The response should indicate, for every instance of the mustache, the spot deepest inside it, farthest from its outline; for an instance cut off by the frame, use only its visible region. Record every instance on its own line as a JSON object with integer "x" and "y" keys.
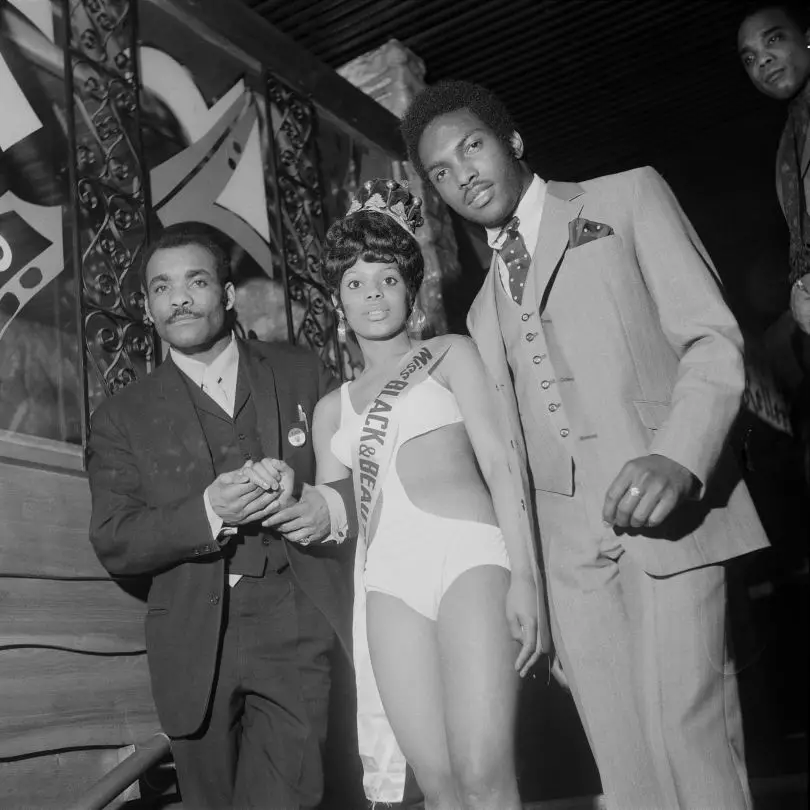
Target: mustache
{"x": 182, "y": 313}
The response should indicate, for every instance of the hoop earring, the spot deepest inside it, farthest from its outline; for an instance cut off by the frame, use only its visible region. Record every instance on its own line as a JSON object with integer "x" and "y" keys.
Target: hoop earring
{"x": 417, "y": 321}
{"x": 342, "y": 326}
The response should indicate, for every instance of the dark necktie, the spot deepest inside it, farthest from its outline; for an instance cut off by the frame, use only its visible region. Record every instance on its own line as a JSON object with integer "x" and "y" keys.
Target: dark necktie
{"x": 517, "y": 260}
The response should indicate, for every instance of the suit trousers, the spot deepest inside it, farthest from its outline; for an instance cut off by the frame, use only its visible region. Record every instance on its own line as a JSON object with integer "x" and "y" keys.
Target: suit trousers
{"x": 261, "y": 744}
{"x": 647, "y": 661}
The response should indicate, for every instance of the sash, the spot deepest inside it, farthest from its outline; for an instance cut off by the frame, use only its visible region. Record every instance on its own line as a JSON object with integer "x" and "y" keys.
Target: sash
{"x": 383, "y": 761}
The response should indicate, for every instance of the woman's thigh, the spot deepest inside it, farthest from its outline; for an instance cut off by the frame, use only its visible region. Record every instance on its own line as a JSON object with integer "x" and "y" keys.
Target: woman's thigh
{"x": 480, "y": 684}
{"x": 405, "y": 659}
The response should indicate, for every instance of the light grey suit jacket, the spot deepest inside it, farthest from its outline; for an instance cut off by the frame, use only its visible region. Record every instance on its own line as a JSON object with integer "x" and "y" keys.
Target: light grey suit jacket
{"x": 655, "y": 353}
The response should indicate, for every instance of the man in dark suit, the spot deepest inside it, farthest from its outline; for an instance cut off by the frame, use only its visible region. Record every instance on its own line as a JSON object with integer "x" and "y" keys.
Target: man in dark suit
{"x": 774, "y": 45}
{"x": 184, "y": 470}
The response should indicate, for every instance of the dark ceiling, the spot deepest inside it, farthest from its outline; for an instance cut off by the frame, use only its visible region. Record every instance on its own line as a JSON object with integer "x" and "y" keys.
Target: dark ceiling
{"x": 595, "y": 85}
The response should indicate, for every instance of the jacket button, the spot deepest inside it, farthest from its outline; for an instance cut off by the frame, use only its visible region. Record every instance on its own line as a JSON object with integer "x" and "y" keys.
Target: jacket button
{"x": 530, "y": 337}
{"x": 537, "y": 359}
{"x": 524, "y": 316}
{"x": 564, "y": 432}
{"x": 545, "y": 385}
{"x": 214, "y": 598}
{"x": 242, "y": 437}
{"x": 265, "y": 541}
{"x": 553, "y": 407}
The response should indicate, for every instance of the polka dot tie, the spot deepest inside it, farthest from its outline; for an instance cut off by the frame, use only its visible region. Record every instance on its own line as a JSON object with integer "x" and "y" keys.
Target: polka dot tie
{"x": 517, "y": 259}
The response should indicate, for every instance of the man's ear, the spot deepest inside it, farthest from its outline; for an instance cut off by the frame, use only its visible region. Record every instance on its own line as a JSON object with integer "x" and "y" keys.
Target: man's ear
{"x": 516, "y": 145}
{"x": 147, "y": 313}
{"x": 229, "y": 295}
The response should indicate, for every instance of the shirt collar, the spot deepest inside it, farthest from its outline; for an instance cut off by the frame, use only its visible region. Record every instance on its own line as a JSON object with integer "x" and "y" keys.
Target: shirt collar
{"x": 226, "y": 361}
{"x": 529, "y": 210}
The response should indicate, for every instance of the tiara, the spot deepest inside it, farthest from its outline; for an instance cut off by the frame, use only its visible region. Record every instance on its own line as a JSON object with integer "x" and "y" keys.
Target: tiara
{"x": 392, "y": 199}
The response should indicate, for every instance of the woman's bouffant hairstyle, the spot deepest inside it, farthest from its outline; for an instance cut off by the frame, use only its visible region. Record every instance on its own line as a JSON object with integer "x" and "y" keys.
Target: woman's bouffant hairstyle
{"x": 373, "y": 237}
{"x": 446, "y": 97}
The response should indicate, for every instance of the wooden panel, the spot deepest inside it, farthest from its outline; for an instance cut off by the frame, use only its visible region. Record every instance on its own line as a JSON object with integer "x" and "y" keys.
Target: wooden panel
{"x": 44, "y": 520}
{"x": 53, "y": 781}
{"x": 91, "y": 616}
{"x": 53, "y": 699}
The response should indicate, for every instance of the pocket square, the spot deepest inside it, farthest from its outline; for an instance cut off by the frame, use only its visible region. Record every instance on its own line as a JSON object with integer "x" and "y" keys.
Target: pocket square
{"x": 581, "y": 231}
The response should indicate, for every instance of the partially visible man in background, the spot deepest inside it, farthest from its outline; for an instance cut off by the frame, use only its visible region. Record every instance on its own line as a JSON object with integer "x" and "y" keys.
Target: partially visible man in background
{"x": 774, "y": 45}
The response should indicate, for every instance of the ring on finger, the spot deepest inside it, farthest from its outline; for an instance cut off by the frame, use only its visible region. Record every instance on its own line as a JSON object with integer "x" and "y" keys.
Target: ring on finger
{"x": 634, "y": 492}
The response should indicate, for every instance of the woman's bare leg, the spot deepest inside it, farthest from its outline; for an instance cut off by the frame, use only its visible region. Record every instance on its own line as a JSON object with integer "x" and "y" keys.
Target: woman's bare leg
{"x": 405, "y": 658}
{"x": 477, "y": 656}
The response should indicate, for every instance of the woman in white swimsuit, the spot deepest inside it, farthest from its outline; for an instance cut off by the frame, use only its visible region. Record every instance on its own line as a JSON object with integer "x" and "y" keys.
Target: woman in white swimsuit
{"x": 450, "y": 576}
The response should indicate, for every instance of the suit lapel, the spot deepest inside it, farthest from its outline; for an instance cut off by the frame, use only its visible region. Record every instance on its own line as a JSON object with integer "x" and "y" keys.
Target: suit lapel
{"x": 265, "y": 392}
{"x": 181, "y": 416}
{"x": 559, "y": 209}
{"x": 486, "y": 328}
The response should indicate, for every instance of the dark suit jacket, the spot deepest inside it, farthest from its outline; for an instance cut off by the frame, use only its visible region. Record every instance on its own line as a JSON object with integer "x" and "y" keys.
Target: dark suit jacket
{"x": 149, "y": 465}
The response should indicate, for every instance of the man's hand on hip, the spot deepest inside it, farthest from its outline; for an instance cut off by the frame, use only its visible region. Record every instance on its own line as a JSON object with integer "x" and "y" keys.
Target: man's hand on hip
{"x": 304, "y": 522}
{"x": 800, "y": 303}
{"x": 646, "y": 491}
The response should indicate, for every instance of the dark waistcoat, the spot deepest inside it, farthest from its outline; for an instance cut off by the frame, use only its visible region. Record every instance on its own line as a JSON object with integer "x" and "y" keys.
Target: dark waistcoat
{"x": 231, "y": 442}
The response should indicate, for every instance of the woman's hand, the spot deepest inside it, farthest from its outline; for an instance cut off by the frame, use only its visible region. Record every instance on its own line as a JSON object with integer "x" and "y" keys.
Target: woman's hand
{"x": 522, "y": 616}
{"x": 272, "y": 474}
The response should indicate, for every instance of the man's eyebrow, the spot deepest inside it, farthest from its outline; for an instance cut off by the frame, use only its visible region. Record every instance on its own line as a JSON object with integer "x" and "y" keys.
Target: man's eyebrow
{"x": 429, "y": 169}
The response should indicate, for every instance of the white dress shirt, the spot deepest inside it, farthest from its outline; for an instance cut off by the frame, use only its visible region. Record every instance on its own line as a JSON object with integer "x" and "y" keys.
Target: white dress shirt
{"x": 529, "y": 212}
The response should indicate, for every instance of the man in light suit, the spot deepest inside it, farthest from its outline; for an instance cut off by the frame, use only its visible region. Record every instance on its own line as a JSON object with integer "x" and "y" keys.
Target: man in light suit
{"x": 620, "y": 372}
{"x": 185, "y": 478}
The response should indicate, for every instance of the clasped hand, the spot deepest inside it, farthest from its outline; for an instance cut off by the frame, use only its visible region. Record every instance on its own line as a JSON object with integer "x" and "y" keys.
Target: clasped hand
{"x": 263, "y": 491}
{"x": 253, "y": 492}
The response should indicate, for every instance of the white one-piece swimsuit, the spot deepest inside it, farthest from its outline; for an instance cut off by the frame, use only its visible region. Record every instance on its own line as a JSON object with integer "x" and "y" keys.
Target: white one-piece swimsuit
{"x": 416, "y": 556}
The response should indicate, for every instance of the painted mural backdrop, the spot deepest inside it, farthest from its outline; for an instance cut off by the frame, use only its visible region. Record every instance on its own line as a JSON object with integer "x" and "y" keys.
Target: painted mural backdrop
{"x": 163, "y": 126}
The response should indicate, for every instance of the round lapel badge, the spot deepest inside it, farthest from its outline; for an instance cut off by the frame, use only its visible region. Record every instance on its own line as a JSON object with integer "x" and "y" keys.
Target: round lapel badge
{"x": 296, "y": 437}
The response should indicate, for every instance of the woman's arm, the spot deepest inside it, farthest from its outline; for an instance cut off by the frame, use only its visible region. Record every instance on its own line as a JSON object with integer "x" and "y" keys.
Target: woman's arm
{"x": 474, "y": 390}
{"x": 325, "y": 423}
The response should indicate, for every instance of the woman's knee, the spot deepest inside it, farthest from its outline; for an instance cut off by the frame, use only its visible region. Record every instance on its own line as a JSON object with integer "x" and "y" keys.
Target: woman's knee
{"x": 438, "y": 788}
{"x": 486, "y": 783}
